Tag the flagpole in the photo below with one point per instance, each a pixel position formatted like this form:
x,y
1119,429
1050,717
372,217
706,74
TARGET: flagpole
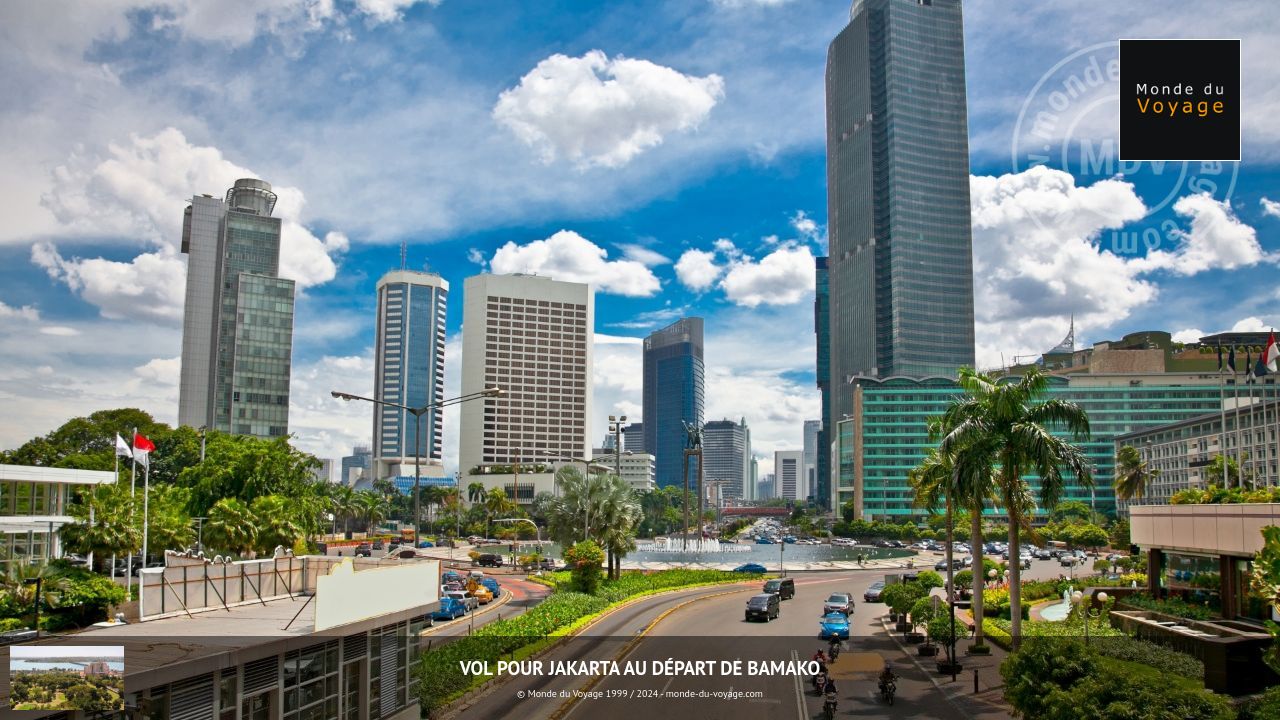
x,y
1235,394
1222,419
133,487
146,516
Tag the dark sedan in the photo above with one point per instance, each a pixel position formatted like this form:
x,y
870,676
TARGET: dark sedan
x,y
874,592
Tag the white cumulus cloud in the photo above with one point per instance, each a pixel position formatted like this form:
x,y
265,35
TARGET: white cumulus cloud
x,y
384,11
1270,207
138,191
597,111
567,255
782,277
26,312
1038,260
697,270
1217,240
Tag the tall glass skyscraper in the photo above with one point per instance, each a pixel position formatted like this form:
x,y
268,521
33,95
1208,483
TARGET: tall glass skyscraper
x,y
900,265
237,327
673,392
822,328
409,366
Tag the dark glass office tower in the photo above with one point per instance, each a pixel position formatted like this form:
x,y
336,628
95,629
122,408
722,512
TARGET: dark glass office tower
x,y
673,392
822,328
237,326
901,264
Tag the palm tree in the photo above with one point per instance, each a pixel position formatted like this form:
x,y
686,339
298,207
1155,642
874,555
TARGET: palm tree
x,y
620,514
231,526
372,507
113,530
1132,474
276,522
1006,427
342,503
476,492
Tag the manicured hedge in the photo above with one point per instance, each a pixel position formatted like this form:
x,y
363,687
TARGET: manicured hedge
x,y
1170,606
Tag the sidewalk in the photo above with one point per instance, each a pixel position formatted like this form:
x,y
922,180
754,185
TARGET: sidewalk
x,y
988,703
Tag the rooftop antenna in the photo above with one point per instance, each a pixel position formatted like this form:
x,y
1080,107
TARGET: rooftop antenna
x,y
404,254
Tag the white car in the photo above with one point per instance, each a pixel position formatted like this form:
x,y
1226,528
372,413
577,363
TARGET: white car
x,y
469,601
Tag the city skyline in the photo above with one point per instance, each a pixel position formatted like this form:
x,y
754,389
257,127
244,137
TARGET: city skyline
x,y
706,199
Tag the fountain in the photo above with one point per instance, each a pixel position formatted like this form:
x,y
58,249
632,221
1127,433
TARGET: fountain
x,y
696,545
1059,612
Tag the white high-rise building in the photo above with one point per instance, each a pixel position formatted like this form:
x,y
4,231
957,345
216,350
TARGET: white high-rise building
x,y
788,471
811,430
531,337
409,370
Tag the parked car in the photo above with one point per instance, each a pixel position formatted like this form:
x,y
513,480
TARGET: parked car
x,y
874,592
450,608
833,624
751,568
547,564
137,568
784,587
426,544
364,550
956,564
765,606
1043,554
838,602
465,598
489,560
1068,560
492,585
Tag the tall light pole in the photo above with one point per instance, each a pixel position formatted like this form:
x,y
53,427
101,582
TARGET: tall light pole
x,y
417,450
615,427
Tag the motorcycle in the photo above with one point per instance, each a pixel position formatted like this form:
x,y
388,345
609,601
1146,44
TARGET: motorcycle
x,y
834,650
887,689
820,681
829,707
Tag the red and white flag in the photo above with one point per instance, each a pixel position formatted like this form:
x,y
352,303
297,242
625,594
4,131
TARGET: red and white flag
x,y
1270,353
142,448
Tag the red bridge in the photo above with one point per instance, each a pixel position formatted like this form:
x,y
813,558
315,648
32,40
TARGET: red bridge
x,y
755,511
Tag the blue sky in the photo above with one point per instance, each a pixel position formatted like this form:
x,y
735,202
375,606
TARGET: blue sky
x,y
671,153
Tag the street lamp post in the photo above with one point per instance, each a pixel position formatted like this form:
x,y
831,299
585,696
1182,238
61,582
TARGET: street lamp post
x,y
417,416
615,427
1086,610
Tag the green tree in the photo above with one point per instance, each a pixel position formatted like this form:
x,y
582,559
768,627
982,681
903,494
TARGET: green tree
x,y
231,527
373,508
1088,535
276,521
1132,474
1214,471
1118,534
1265,583
619,517
1071,511
476,493
1008,427
1041,666
584,561
113,531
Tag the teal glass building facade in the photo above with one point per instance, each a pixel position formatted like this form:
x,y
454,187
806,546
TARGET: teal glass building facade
x,y
891,415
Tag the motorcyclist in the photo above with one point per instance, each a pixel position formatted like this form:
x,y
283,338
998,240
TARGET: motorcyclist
x,y
820,657
833,648
887,676
820,680
828,687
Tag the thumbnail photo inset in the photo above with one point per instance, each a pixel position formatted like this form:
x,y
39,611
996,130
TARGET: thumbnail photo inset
x,y
67,677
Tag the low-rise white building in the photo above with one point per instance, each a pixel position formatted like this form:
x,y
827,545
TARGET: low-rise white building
x,y
33,506
638,469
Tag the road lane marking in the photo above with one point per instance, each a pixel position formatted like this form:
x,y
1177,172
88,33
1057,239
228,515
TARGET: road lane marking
x,y
800,712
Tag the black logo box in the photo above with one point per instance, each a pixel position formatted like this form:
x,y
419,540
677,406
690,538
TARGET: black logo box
x,y
1186,68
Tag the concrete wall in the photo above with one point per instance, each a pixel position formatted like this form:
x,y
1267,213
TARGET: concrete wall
x,y
1206,529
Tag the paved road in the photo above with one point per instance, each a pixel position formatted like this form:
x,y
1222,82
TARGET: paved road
x,y
524,595
708,624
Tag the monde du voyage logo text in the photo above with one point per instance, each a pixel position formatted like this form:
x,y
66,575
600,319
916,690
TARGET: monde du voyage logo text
x,y
1180,100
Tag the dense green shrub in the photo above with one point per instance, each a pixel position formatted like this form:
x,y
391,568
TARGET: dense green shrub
x,y
1169,606
1148,653
584,560
1264,707
1118,696
1041,667
929,579
995,603
10,624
